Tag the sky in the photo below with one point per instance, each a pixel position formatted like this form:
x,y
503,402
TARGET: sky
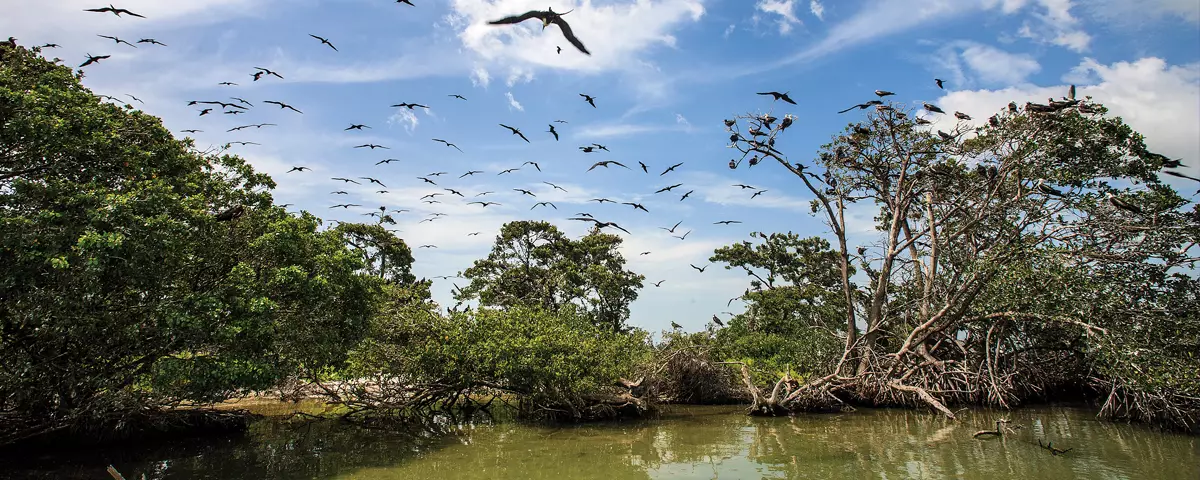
x,y
664,74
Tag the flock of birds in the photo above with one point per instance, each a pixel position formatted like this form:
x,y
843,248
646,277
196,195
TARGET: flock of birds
x,y
239,106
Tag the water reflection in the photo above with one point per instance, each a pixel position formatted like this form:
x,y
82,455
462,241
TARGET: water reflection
x,y
689,443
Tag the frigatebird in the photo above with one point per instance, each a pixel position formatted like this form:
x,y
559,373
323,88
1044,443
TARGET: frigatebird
x,y
516,132
115,11
547,17
325,41
779,96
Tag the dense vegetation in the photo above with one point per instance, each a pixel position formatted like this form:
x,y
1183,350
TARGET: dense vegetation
x,y
138,275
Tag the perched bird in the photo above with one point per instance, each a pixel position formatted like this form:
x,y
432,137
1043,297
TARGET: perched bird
x,y
547,17
929,107
115,11
676,326
516,132
962,116
718,321
590,99
324,40
779,96
1123,205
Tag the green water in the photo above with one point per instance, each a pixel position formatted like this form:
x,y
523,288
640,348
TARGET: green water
x,y
687,443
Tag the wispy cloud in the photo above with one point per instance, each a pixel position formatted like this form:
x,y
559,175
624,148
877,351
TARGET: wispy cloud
x,y
513,103
817,9
1056,25
986,64
784,9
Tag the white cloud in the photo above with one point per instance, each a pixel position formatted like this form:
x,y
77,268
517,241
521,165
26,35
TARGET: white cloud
x,y
517,75
728,30
1057,26
513,103
405,118
966,63
785,9
817,9
680,119
1133,11
611,130
1159,100
480,76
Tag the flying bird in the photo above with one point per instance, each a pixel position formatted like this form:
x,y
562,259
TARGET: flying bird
x,y
263,71
510,170
115,11
448,144
590,99
372,146
152,42
699,269
542,204
357,126
535,165
524,192
516,132
688,194
672,229
779,96
347,180
939,82
325,41
547,17
605,164
552,131
670,169
115,39
555,186
645,169
484,204
455,95
883,93
726,222
667,189
93,59
600,224
298,169
636,206
283,105
469,173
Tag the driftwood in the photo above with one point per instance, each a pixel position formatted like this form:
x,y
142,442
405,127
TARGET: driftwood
x,y
1053,451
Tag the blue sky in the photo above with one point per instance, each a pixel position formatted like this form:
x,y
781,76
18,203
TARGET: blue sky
x,y
664,74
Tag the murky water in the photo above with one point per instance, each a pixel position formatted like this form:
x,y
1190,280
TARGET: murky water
x,y
687,443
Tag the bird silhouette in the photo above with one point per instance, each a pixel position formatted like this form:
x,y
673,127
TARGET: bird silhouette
x,y
555,186
298,169
371,146
636,206
357,126
264,71
779,96
939,82
667,189
883,93
673,227
115,11
460,97
552,131
600,224
283,106
448,144
590,99
699,269
542,204
347,180
117,40
535,165
549,16
726,222
605,164
686,195
93,59
325,41
671,169
152,42
516,132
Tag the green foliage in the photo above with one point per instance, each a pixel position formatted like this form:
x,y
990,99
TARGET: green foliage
x,y
557,360
532,264
120,281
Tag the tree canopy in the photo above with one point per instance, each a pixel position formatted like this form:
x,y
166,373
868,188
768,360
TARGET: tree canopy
x,y
137,271
533,264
